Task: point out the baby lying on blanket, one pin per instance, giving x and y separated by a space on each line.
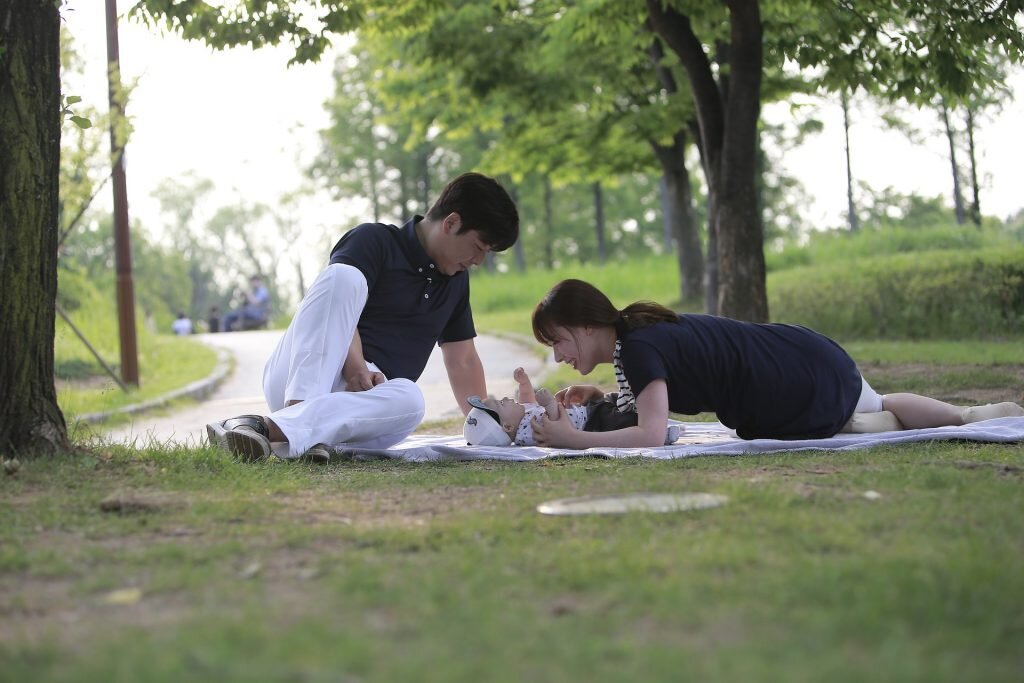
508 421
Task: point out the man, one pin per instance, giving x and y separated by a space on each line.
254 312
345 370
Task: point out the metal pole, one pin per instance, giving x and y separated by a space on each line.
122 240
95 353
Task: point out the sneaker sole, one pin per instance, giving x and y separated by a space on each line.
246 445
217 435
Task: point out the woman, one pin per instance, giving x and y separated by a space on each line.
769 381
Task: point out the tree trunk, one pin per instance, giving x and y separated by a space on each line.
973 159
517 248
958 195
403 199
666 215
599 222
375 192
679 193
730 150
549 227
851 208
30 120
424 182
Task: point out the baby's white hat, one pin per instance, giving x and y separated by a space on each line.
483 426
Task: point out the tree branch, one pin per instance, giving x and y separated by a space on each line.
678 34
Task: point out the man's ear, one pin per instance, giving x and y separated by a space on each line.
452 222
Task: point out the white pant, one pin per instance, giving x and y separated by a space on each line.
306 366
870 401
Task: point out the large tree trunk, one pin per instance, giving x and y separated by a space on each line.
30 120
958 195
730 149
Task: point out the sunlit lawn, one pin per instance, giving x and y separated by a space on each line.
208 569
171 565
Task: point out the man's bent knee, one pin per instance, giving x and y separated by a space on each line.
346 279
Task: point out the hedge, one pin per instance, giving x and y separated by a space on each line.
939 294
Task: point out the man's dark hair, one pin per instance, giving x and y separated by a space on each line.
484 206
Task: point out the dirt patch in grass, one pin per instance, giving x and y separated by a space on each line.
395 508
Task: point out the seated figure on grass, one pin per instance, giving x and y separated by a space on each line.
765 381
344 372
509 421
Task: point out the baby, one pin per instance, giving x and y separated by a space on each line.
509 421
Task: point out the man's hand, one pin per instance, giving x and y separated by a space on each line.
553 432
578 394
363 379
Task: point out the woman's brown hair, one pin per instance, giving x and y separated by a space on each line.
575 303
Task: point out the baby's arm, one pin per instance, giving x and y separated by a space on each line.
524 393
546 401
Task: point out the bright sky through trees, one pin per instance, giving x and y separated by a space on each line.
245 120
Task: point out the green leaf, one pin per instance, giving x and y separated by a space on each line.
72 99
81 122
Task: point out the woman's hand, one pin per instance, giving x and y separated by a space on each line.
554 432
578 394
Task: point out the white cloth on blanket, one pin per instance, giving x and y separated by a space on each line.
698 438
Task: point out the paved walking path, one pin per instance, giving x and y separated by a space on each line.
242 391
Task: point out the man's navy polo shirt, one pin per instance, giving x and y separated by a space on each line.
763 380
410 304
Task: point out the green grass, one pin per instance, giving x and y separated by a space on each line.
166 363
384 571
444 572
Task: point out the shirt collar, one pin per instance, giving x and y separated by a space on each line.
418 257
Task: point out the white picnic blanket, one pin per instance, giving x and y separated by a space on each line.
698 438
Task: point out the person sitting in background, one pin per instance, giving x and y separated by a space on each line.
182 324
509 421
254 312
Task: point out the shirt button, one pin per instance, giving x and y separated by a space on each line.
426 296
431 265
421 270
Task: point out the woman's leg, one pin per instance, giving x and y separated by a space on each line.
870 417
921 412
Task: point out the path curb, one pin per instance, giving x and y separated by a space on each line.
199 389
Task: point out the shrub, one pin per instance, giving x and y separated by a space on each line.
941 294
871 242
